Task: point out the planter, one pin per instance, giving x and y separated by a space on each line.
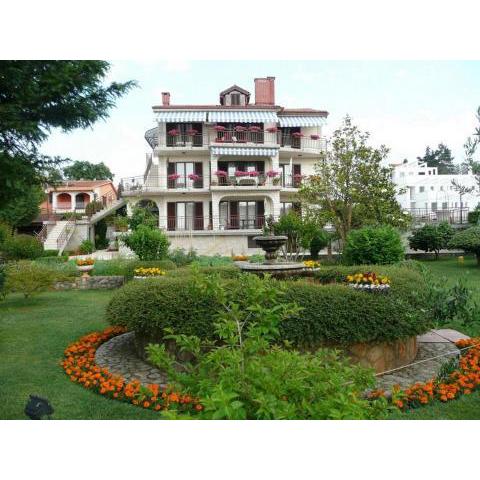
85 269
270 245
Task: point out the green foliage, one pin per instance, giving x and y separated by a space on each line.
299 231
93 207
5 233
101 241
23 209
120 223
373 245
147 243
50 253
83 170
319 241
38 96
3 278
86 247
143 216
441 158
19 247
431 238
212 261
72 216
28 278
351 186
474 216
242 374
181 257
52 260
468 240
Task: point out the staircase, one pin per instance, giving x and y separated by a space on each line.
108 210
59 236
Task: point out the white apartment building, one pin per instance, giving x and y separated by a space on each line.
216 172
428 194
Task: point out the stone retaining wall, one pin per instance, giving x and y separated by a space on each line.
91 283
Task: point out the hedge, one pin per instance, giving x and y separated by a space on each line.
331 313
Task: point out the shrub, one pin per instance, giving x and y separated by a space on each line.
50 253
468 240
319 242
243 375
5 233
28 278
120 223
101 241
431 238
58 260
474 216
86 247
147 243
22 247
93 207
181 258
143 216
213 261
373 245
3 277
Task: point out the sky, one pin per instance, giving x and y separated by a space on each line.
404 105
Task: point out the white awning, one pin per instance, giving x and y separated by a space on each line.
247 151
301 121
244 116
182 116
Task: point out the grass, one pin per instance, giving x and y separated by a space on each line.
33 334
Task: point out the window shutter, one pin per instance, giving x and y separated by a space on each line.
234 220
170 168
260 218
198 168
171 216
198 223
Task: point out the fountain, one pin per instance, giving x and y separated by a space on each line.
270 245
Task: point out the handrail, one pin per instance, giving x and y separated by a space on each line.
66 233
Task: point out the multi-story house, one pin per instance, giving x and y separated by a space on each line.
216 172
432 196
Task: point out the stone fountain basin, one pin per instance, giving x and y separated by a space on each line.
266 267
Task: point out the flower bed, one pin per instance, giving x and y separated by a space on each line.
368 281
148 272
84 262
79 365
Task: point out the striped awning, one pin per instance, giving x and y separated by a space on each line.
182 116
301 121
247 151
244 116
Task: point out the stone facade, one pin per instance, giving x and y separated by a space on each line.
91 283
385 355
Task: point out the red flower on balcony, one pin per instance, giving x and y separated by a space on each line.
173 132
192 132
221 173
219 128
253 173
193 176
254 128
174 176
240 173
298 176
315 137
240 128
297 135
272 173
272 129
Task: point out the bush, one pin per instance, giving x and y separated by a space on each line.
143 216
213 261
86 247
467 240
58 260
332 313
431 238
22 247
28 278
181 258
474 216
50 253
147 243
5 233
319 242
3 277
373 245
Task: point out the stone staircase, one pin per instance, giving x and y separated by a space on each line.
59 236
112 208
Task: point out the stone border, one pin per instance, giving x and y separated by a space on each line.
91 283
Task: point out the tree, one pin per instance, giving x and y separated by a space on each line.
441 158
82 170
431 238
36 96
23 209
467 240
147 242
351 187
462 190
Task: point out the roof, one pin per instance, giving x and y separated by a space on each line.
80 185
236 88
216 107
304 111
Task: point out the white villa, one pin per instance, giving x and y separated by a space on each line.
216 172
430 195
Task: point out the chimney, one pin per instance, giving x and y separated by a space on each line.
165 98
265 91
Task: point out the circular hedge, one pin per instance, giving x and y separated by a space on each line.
332 312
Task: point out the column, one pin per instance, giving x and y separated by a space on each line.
162 172
72 201
213 167
215 212
162 214
206 216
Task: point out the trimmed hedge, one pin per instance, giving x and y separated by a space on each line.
332 314
22 247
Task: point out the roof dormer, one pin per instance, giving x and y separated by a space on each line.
234 96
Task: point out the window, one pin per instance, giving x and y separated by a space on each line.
185 215
285 207
421 189
432 188
235 98
444 205
413 205
434 206
441 188
421 173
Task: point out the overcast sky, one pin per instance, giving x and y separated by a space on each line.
404 105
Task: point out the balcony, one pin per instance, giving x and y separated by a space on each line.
245 179
155 183
200 223
183 141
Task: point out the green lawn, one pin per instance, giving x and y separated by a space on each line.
33 334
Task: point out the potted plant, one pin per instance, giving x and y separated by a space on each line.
219 128
85 265
254 128
272 129
173 132
297 135
191 132
120 223
253 173
240 128
297 179
194 177
241 173
315 137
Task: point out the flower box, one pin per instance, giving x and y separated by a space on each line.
272 173
173 133
219 128
192 132
297 135
272 129
240 173
174 176
240 128
221 173
254 128
194 177
315 137
253 173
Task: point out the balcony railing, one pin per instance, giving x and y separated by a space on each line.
450 215
159 182
229 137
198 223
246 179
